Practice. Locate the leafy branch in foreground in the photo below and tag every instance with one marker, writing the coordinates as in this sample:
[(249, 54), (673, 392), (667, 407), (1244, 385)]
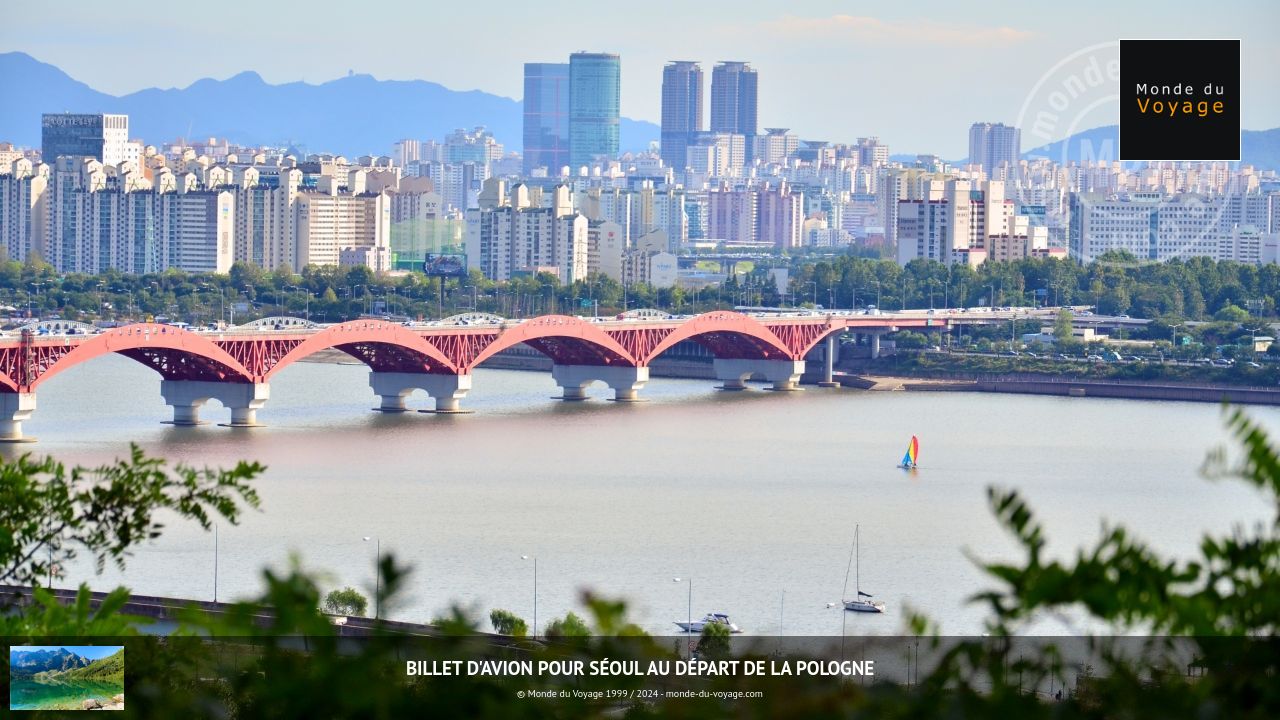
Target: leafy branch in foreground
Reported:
[(1232, 589), (49, 515)]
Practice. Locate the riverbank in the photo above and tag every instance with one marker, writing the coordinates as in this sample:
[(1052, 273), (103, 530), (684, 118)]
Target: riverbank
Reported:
[(894, 376)]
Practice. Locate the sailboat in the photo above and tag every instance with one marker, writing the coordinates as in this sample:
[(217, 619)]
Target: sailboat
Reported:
[(858, 603), (913, 452)]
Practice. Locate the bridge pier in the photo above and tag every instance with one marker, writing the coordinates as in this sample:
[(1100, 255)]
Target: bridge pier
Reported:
[(875, 345), (188, 396), (14, 409), (394, 388), (734, 372), (626, 381), (829, 362)]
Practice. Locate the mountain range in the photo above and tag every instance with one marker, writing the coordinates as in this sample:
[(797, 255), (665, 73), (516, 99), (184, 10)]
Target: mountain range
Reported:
[(344, 115), (353, 115), (29, 663), (1259, 148)]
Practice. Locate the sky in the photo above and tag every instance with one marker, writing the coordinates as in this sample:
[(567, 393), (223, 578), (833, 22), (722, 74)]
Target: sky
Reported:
[(89, 652), (916, 74)]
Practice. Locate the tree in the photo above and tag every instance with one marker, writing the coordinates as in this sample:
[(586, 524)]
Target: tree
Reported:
[(571, 626), (347, 601), (1232, 314), (714, 640), (506, 622), (1063, 329), (49, 515)]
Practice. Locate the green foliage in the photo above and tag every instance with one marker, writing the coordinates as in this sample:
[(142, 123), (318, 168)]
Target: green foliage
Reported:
[(1063, 325), (47, 617), (1229, 588), (714, 641), (49, 515), (108, 668), (1195, 289), (506, 622), (910, 340), (1232, 314), (958, 365), (570, 626), (347, 601)]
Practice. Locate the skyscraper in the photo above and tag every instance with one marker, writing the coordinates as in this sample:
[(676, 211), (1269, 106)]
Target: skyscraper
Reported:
[(546, 116), (595, 81), (734, 88), (101, 137), (681, 110), (991, 145)]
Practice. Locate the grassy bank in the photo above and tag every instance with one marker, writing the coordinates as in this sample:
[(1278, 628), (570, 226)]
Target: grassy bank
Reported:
[(963, 364)]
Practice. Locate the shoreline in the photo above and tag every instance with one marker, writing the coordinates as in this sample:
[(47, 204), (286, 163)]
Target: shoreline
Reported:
[(1020, 384)]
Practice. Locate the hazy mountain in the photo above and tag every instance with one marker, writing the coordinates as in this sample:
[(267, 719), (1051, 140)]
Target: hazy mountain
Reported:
[(353, 115), (1259, 148), (26, 664)]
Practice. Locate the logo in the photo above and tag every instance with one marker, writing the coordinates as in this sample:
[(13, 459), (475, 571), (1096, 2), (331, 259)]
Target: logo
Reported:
[(1180, 100)]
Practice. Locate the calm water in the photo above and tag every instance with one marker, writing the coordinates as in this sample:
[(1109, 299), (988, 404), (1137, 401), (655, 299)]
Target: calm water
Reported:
[(753, 495), (32, 695)]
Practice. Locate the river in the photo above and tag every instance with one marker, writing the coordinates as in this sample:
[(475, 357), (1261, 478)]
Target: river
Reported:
[(754, 496)]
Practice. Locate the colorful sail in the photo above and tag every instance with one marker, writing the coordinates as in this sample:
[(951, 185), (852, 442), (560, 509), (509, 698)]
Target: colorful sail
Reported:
[(913, 452)]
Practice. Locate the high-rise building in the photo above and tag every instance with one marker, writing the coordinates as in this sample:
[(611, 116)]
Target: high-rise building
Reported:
[(406, 151), (104, 138), (1158, 226), (478, 146), (508, 233), (734, 87), (957, 221), (993, 145), (329, 222), (681, 110), (546, 117), (595, 82), (22, 209), (775, 146)]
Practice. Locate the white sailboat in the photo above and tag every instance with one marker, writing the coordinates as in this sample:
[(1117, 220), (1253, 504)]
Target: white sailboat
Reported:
[(861, 601)]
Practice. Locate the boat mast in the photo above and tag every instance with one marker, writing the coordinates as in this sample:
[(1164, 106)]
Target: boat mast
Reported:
[(857, 578)]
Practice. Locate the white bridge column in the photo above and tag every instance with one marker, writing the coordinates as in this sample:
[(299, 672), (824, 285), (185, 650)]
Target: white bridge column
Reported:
[(784, 374), (15, 408), (626, 381), (829, 362), (875, 345), (394, 388), (187, 396)]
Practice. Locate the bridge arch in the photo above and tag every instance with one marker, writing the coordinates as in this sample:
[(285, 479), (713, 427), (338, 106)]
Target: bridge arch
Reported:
[(58, 327), (279, 322), (474, 318), (566, 340), (382, 345), (175, 353), (728, 335), (646, 314)]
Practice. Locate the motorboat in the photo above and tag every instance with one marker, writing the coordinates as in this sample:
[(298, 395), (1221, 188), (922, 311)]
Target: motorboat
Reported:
[(709, 619)]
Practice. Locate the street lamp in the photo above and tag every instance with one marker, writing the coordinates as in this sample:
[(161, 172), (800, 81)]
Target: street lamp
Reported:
[(377, 588), (689, 623), (215, 562), (535, 592)]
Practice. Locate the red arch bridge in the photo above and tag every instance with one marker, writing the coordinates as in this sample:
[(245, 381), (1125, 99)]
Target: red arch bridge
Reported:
[(235, 365)]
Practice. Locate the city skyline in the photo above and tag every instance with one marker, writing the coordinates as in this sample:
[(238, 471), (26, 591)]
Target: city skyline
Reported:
[(815, 61)]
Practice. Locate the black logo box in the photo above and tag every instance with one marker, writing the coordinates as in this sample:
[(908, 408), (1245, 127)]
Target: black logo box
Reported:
[(1189, 65)]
